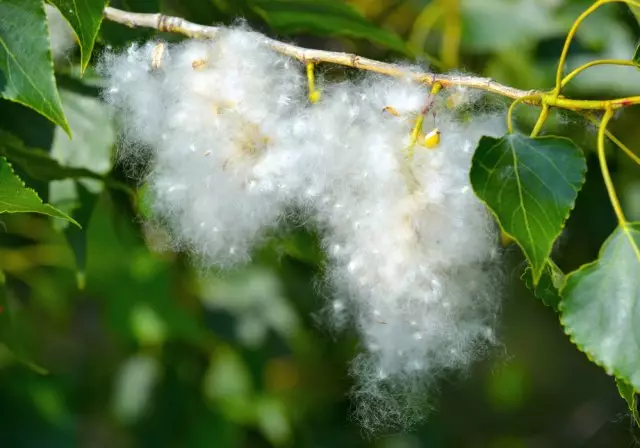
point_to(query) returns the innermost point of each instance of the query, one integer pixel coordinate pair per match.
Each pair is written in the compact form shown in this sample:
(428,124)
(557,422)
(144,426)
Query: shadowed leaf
(549,285)
(325,18)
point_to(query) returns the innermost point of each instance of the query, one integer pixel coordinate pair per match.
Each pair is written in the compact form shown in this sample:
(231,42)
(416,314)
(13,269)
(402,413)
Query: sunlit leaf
(85,18)
(627,392)
(26,67)
(531,185)
(324,18)
(15,197)
(600,307)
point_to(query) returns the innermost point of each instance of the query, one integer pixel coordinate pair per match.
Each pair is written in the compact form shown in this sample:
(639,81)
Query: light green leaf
(530,184)
(600,307)
(26,68)
(91,149)
(636,56)
(324,18)
(94,134)
(16,198)
(627,392)
(85,18)
(144,201)
(549,285)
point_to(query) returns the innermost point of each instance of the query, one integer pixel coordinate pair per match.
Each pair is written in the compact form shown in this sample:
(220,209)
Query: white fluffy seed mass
(234,145)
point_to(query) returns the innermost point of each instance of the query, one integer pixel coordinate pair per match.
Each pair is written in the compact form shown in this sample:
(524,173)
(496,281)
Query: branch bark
(170,24)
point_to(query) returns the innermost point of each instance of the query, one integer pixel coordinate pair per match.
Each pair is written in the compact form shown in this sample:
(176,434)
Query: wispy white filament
(235,146)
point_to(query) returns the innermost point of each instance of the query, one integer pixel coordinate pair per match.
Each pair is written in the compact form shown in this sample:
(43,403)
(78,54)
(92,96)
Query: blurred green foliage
(107,342)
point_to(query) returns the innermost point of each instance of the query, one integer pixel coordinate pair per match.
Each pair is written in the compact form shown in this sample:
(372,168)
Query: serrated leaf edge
(83,64)
(536,275)
(611,372)
(64,215)
(64,124)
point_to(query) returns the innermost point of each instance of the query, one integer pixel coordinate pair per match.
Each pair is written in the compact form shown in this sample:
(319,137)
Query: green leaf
(79,202)
(37,163)
(636,12)
(636,56)
(531,185)
(600,307)
(548,287)
(9,337)
(627,392)
(16,198)
(324,18)
(26,68)
(94,135)
(85,18)
(91,149)
(144,201)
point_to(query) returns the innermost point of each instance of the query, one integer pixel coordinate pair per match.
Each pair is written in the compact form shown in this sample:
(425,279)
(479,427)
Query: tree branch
(178,25)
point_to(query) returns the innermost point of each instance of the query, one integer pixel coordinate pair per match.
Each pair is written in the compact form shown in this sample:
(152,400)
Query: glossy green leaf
(531,185)
(600,307)
(636,56)
(627,392)
(85,18)
(16,198)
(324,18)
(548,287)
(26,67)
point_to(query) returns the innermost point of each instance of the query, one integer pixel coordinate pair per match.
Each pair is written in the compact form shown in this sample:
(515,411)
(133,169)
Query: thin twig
(164,23)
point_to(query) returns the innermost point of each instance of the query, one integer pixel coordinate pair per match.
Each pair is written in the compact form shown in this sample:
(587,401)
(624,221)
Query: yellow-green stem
(544,114)
(512,107)
(314,95)
(633,156)
(451,34)
(602,157)
(572,33)
(580,69)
